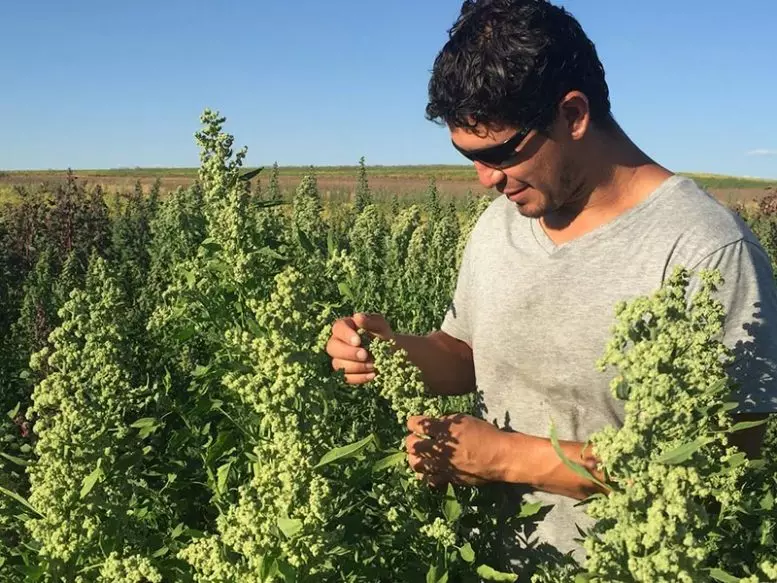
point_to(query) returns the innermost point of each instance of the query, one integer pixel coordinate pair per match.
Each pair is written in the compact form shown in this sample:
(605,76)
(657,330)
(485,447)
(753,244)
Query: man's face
(542,176)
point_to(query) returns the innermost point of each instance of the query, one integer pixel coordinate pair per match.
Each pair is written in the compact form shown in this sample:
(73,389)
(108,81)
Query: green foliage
(180,420)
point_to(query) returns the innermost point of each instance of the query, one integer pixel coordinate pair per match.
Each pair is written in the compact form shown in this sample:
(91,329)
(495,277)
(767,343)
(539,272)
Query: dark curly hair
(509,63)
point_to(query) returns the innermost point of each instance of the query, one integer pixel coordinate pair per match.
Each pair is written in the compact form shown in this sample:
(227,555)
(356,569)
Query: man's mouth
(517,194)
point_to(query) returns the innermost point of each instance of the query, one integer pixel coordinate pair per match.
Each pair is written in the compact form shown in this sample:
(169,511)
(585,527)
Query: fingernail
(361,355)
(355,340)
(369,366)
(370,376)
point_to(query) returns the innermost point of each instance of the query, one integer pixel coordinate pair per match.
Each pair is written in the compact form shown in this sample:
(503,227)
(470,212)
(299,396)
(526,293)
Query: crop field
(168,412)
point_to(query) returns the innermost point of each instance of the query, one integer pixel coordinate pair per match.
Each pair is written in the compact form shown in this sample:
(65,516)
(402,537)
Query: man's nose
(488,177)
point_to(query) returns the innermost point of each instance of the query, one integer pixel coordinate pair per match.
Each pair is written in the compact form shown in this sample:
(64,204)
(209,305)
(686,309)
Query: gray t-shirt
(538,316)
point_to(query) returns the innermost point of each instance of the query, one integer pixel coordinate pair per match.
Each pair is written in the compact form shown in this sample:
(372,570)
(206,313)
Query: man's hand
(460,449)
(345,345)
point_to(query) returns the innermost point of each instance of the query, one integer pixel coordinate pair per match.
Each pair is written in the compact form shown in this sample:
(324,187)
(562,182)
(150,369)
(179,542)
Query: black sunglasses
(497,156)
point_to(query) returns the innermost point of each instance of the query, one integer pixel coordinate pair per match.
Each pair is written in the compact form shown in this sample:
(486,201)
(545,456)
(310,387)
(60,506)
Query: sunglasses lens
(498,156)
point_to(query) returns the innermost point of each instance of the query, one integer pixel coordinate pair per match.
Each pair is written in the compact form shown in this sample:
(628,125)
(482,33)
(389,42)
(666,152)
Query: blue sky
(95,84)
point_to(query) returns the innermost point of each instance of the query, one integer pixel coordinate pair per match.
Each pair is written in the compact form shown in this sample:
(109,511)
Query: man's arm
(464,449)
(536,463)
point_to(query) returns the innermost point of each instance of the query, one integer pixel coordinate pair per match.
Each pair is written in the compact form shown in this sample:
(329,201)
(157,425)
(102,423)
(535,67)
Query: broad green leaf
(583,578)
(345,291)
(20,500)
(14,459)
(185,333)
(145,422)
(288,572)
(767,502)
(289,526)
(268,569)
(467,553)
(345,451)
(742,425)
(451,507)
(304,241)
(738,459)
(14,412)
(433,575)
(91,480)
(392,460)
(177,531)
(575,467)
(246,176)
(271,253)
(722,576)
(161,552)
(491,574)
(529,509)
(682,453)
(222,475)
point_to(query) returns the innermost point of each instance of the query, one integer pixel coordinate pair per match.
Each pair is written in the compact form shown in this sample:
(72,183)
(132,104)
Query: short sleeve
(458,316)
(749,297)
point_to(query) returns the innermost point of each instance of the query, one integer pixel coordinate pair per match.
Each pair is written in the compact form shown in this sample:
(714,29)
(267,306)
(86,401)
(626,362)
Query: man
(587,219)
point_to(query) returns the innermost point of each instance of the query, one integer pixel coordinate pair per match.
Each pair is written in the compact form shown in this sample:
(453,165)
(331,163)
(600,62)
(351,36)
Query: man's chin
(530,210)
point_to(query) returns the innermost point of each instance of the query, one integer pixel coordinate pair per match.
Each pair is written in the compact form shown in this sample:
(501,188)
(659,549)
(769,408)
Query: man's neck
(618,178)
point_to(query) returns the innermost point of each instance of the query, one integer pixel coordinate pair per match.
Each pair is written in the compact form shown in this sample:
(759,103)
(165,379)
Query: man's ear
(574,114)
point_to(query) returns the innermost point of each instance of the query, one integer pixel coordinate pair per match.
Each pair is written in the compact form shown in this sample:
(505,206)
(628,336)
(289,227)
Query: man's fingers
(430,426)
(339,350)
(359,379)
(373,323)
(346,330)
(351,367)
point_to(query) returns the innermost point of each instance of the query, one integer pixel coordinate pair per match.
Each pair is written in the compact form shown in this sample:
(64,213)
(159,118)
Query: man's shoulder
(695,221)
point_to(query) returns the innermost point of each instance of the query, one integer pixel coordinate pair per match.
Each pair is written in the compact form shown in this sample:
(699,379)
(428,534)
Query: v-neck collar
(615,225)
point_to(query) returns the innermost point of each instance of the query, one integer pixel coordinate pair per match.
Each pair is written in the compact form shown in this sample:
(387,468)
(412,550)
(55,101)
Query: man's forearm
(445,363)
(531,460)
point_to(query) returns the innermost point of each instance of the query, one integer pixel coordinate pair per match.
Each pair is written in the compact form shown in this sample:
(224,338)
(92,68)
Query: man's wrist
(514,457)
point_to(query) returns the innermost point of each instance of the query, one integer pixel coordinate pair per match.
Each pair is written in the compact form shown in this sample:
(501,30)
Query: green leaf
(722,576)
(14,459)
(491,574)
(575,467)
(433,577)
(288,572)
(738,459)
(742,425)
(14,412)
(271,253)
(161,552)
(767,502)
(222,475)
(345,451)
(250,174)
(304,241)
(682,453)
(147,426)
(177,531)
(389,461)
(91,480)
(467,553)
(346,291)
(20,500)
(184,334)
(529,509)
(451,507)
(289,526)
